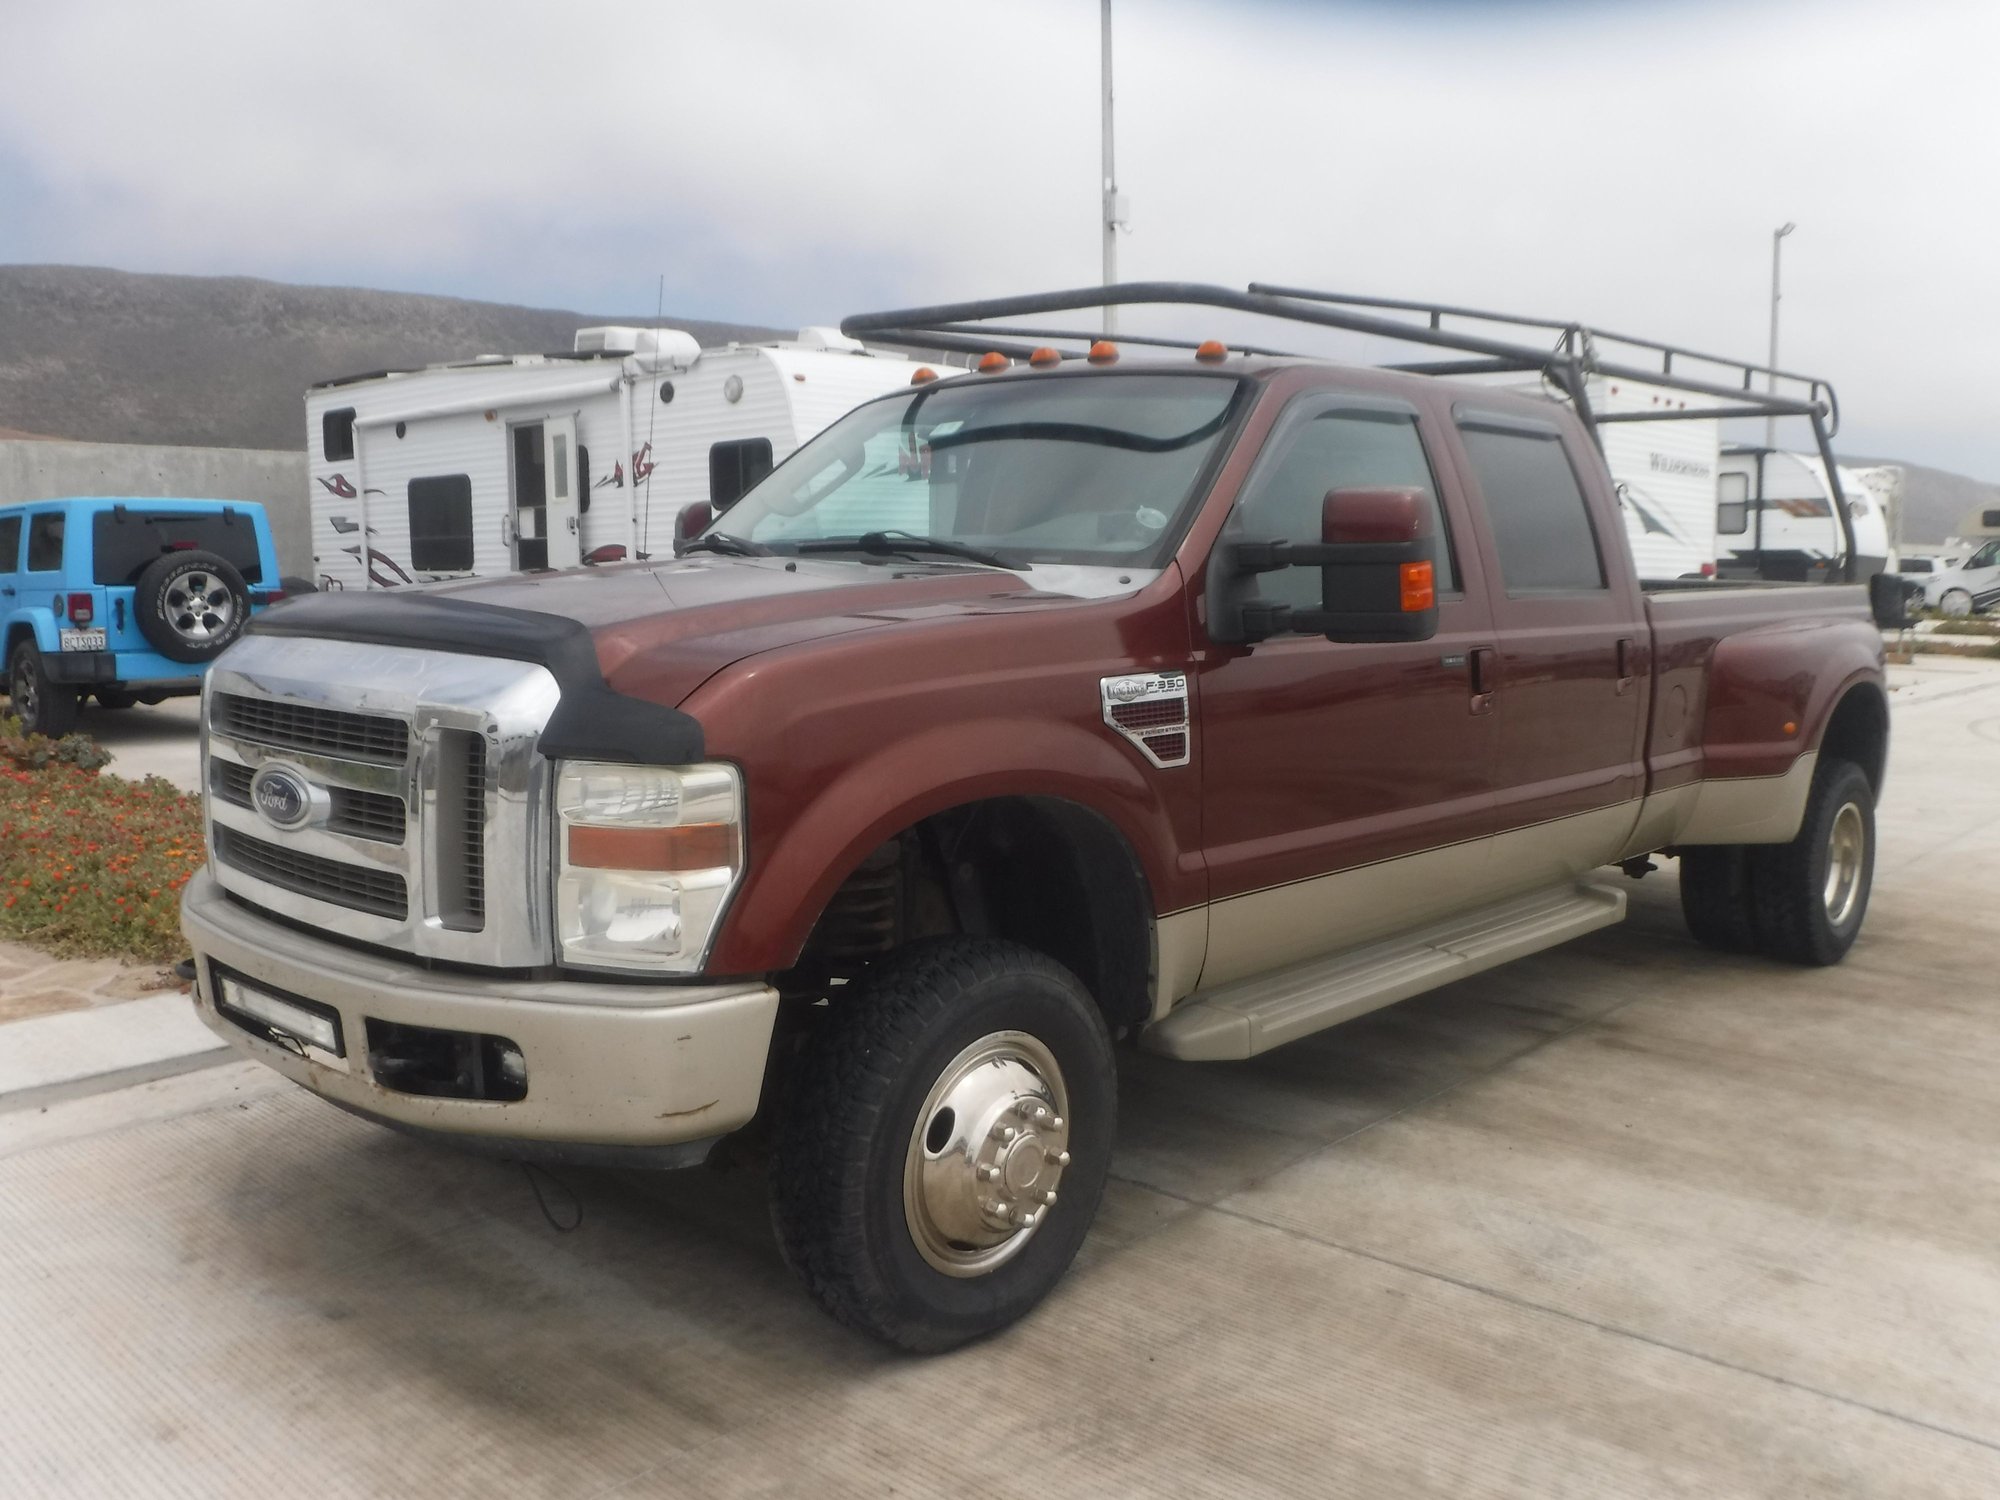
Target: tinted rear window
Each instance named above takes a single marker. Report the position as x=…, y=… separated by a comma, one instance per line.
x=10, y=543
x=126, y=541
x=1541, y=526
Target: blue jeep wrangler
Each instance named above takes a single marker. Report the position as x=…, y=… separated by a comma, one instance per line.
x=127, y=599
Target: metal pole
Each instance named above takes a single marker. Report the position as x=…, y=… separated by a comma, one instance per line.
x=1771, y=379
x=1110, y=183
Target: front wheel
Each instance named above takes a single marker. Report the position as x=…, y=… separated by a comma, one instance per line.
x=1956, y=603
x=945, y=1142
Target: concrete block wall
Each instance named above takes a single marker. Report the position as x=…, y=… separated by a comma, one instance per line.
x=42, y=469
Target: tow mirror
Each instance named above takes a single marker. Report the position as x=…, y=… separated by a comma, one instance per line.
x=1889, y=600
x=1378, y=580
x=692, y=521
x=1377, y=561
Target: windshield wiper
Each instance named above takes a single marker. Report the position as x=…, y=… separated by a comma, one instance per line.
x=724, y=543
x=889, y=543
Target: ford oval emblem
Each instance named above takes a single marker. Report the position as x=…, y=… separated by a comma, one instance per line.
x=281, y=796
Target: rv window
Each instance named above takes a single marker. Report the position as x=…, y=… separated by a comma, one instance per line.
x=441, y=524
x=10, y=543
x=734, y=467
x=1541, y=524
x=45, y=539
x=124, y=542
x=582, y=480
x=1990, y=518
x=1732, y=507
x=336, y=435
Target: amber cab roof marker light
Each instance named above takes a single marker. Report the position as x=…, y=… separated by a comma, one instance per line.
x=993, y=361
x=1043, y=357
x=922, y=375
x=1103, y=352
x=1212, y=351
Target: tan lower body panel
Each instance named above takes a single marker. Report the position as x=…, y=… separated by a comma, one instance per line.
x=1273, y=929
x=1241, y=1020
x=1749, y=809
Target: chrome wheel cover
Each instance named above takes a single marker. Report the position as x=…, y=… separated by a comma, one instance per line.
x=199, y=607
x=985, y=1154
x=1846, y=856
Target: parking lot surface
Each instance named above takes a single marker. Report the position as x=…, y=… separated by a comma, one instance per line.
x=1627, y=1218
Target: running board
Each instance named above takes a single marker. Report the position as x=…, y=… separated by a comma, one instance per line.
x=1254, y=1015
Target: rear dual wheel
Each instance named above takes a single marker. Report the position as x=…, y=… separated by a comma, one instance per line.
x=945, y=1144
x=1802, y=901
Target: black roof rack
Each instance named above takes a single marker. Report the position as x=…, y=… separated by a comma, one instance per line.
x=1577, y=353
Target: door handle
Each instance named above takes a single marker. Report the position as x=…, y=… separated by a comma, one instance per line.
x=1483, y=672
x=1627, y=650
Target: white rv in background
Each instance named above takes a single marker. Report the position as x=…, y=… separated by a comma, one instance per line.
x=1774, y=516
x=509, y=463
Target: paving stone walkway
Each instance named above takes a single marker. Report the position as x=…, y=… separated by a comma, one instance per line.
x=34, y=984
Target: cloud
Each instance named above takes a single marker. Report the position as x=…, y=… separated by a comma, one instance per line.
x=790, y=162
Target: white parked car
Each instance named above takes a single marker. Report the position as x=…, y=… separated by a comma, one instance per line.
x=1969, y=587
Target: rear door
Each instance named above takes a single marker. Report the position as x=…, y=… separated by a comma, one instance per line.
x=1571, y=685
x=10, y=563
x=1344, y=787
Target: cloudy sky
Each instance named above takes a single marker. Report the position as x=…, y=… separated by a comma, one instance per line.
x=1622, y=163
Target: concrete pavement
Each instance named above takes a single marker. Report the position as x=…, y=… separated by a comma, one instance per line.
x=1626, y=1218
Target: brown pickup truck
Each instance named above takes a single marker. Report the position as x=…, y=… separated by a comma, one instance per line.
x=1192, y=697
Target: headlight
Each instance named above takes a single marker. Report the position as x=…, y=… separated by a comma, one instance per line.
x=646, y=858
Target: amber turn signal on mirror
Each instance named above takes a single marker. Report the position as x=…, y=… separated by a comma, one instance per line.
x=1419, y=587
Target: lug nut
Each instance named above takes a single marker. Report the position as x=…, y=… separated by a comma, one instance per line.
x=1049, y=1198
x=1005, y=1132
x=989, y=1173
x=1055, y=1122
x=1056, y=1158
x=1028, y=1220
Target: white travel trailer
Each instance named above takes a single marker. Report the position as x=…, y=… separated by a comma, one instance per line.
x=1774, y=516
x=501, y=463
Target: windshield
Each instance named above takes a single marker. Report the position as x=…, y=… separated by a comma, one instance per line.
x=1064, y=470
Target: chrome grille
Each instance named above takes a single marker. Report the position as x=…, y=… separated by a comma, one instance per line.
x=322, y=731
x=364, y=815
x=356, y=887
x=430, y=832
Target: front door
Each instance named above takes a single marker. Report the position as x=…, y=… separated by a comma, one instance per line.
x=1344, y=787
x=1569, y=696
x=560, y=475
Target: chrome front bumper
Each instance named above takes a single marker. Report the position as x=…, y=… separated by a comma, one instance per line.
x=608, y=1065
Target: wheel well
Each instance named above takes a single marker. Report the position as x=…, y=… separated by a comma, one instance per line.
x=1041, y=871
x=1859, y=732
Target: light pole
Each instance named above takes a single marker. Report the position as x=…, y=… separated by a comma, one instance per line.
x=1770, y=378
x=1110, y=183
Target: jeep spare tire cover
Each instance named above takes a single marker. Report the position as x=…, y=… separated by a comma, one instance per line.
x=191, y=605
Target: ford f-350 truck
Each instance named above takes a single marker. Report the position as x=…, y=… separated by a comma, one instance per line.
x=1203, y=699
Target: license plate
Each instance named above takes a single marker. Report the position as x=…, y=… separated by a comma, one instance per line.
x=82, y=640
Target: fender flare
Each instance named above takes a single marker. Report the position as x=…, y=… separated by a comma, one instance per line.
x=784, y=893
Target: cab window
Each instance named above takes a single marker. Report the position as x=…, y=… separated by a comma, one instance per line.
x=10, y=543
x=1340, y=449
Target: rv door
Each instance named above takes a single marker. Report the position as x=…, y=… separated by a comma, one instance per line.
x=559, y=447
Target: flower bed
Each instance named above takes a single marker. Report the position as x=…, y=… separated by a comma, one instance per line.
x=91, y=866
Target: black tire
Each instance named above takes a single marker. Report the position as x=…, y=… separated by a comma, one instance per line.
x=1802, y=916
x=43, y=707
x=191, y=605
x=1716, y=897
x=846, y=1134
x=116, y=697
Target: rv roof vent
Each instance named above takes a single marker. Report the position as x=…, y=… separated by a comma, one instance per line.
x=830, y=339
x=607, y=339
